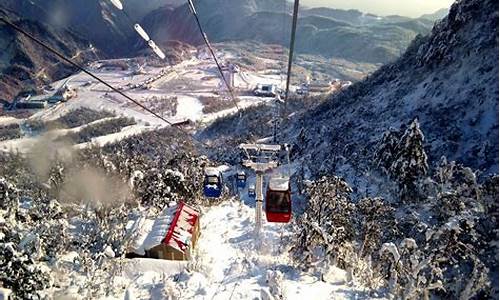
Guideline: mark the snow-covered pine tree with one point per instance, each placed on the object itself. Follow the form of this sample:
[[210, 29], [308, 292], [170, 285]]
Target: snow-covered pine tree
[[489, 197], [387, 149], [411, 162], [56, 177], [300, 178], [456, 243], [377, 224], [9, 197], [20, 273], [409, 272], [457, 251], [327, 225], [458, 189]]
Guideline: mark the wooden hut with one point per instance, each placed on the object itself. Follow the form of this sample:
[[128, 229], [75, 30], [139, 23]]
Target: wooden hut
[[174, 234]]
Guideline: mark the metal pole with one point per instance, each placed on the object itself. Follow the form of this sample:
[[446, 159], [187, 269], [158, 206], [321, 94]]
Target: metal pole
[[287, 148], [258, 202], [275, 133], [290, 54]]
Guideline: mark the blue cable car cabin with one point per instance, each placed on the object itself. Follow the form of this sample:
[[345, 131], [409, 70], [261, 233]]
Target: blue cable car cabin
[[241, 179], [251, 191], [213, 183]]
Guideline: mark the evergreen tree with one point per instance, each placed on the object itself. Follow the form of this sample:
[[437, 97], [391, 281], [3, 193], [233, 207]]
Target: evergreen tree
[[18, 270], [20, 273], [327, 222], [387, 150], [411, 161], [377, 223], [9, 197]]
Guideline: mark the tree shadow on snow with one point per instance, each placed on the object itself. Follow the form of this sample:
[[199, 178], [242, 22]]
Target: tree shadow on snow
[[244, 237]]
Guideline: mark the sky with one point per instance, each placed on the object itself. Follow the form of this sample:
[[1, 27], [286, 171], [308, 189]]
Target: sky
[[410, 8]]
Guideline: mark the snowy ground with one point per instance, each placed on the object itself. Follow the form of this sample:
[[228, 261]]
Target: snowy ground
[[6, 120], [231, 262], [187, 81], [228, 264]]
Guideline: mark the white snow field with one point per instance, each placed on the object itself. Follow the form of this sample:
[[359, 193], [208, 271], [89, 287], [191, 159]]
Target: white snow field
[[186, 81], [6, 120], [228, 265]]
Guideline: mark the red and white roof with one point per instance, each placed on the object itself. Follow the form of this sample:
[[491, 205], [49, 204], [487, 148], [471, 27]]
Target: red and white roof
[[182, 227], [174, 227]]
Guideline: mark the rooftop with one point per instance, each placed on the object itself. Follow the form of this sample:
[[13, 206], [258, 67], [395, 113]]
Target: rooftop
[[279, 184]]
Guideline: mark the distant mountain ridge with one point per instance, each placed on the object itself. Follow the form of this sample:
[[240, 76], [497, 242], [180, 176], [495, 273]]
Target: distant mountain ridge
[[348, 34], [437, 15], [97, 21], [137, 9]]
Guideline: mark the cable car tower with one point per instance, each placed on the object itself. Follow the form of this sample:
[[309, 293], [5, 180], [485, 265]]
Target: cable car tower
[[261, 158]]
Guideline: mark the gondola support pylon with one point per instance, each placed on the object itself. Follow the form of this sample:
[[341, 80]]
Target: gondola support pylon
[[260, 159]]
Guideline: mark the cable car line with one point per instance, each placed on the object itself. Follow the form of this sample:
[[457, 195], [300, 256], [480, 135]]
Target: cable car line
[[209, 46]]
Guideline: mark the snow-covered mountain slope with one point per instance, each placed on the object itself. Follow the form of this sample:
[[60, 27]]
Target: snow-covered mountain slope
[[97, 21], [24, 64], [137, 9], [448, 80], [190, 90]]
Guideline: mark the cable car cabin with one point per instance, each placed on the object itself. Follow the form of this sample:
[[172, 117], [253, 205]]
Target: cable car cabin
[[251, 191], [278, 200], [241, 179], [213, 183]]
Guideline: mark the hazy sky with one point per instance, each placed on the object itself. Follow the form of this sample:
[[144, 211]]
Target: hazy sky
[[411, 8]]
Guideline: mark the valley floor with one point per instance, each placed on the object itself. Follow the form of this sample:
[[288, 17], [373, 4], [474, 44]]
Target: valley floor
[[186, 83]]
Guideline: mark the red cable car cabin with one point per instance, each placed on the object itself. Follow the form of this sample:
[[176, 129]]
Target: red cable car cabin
[[278, 201]]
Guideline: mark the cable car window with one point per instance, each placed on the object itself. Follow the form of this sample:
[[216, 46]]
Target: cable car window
[[278, 202], [241, 177], [213, 179]]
